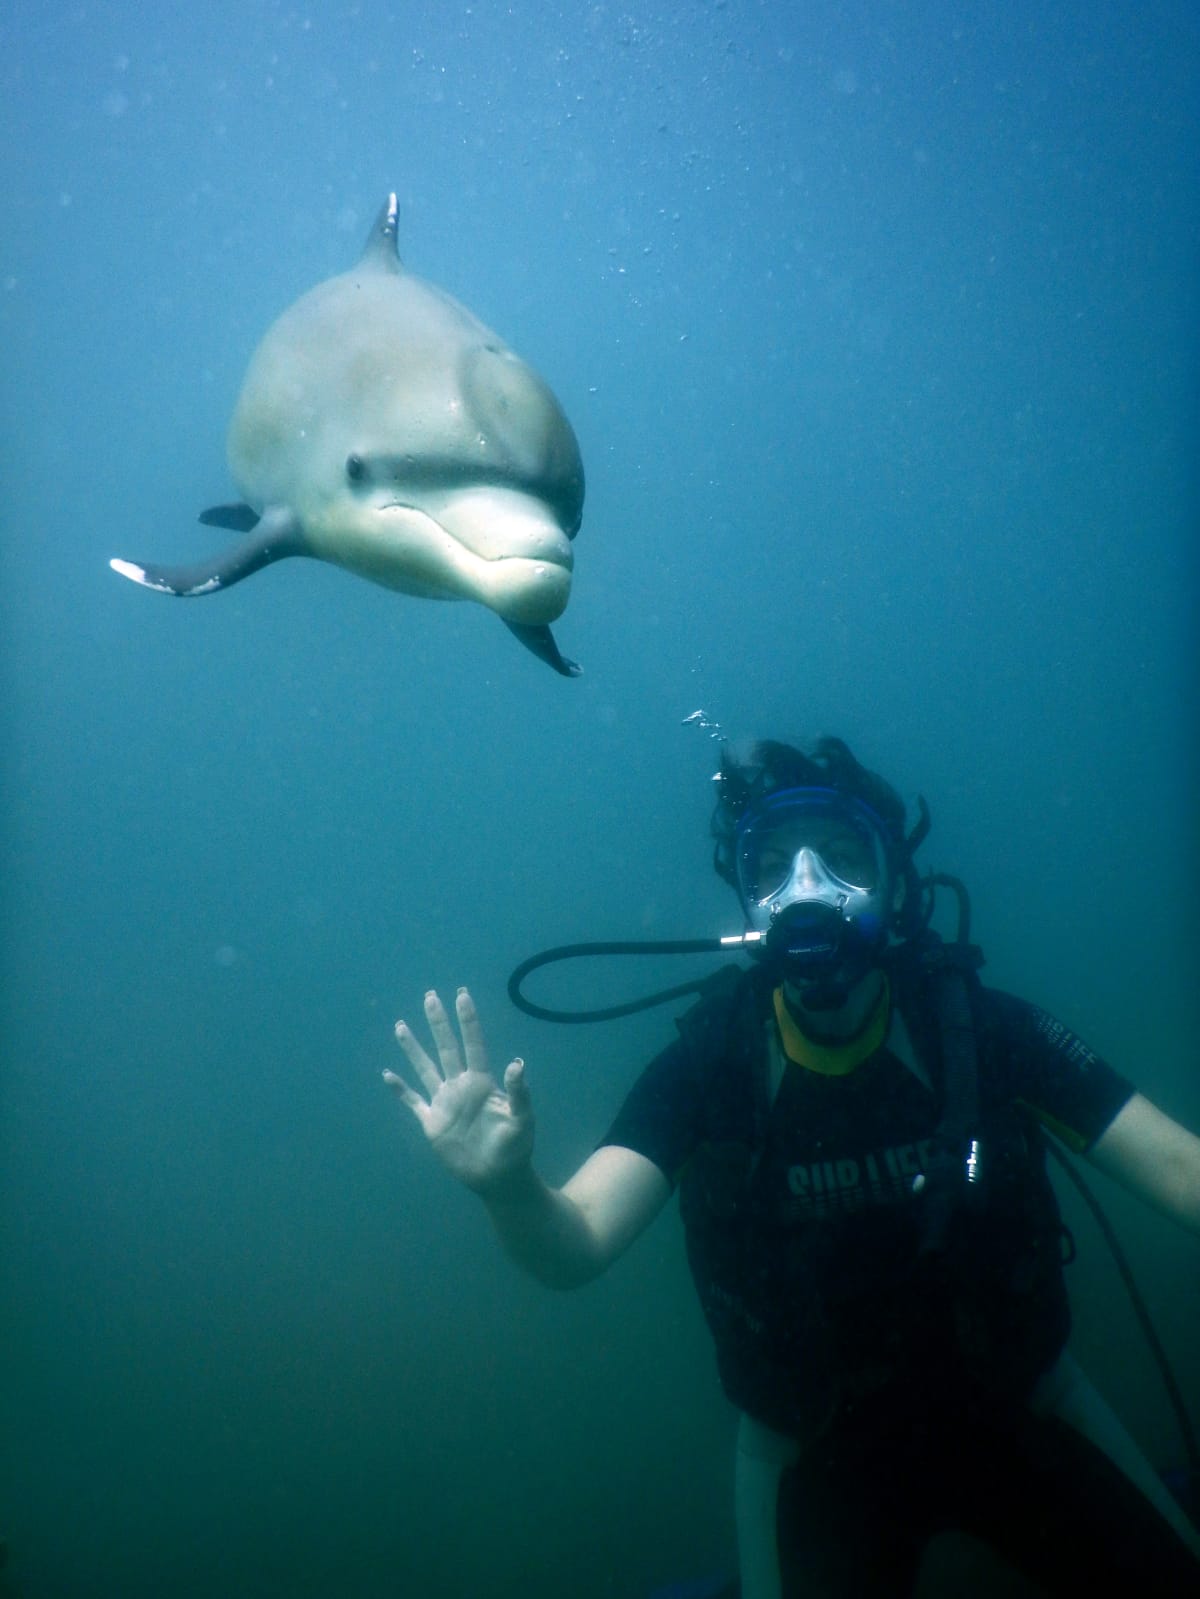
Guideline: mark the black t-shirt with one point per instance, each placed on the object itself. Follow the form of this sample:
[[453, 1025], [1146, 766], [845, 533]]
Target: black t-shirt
[[1030, 1059], [807, 1227]]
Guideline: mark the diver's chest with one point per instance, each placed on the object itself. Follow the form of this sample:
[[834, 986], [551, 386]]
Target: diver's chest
[[840, 1145]]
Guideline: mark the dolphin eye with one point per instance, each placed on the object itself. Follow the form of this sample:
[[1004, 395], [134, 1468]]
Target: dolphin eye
[[356, 468]]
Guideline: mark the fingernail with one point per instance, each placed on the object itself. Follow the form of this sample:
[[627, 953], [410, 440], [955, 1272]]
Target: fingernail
[[461, 992], [401, 1027]]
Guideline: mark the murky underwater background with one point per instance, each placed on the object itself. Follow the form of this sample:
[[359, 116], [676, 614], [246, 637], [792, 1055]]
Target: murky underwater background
[[877, 324]]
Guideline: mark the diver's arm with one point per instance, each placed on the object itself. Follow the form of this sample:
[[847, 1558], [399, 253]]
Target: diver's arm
[[483, 1134], [1154, 1158], [567, 1236]]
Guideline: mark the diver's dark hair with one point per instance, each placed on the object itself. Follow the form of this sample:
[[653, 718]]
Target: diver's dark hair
[[751, 771]]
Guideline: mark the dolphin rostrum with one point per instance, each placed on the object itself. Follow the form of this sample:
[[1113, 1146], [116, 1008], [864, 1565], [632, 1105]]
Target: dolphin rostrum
[[383, 428]]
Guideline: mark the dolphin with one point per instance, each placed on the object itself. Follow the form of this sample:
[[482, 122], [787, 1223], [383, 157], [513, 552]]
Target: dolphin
[[381, 427]]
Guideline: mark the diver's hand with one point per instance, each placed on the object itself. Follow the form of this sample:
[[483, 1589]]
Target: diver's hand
[[481, 1133]]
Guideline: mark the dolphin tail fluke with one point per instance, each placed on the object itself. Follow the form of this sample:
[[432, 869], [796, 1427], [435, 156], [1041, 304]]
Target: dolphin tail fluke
[[541, 641], [275, 536]]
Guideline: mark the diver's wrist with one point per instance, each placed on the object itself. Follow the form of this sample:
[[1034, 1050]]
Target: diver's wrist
[[514, 1188]]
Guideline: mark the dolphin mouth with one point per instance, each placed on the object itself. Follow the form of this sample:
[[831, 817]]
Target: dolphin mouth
[[529, 590], [554, 550], [500, 548], [494, 523], [537, 597]]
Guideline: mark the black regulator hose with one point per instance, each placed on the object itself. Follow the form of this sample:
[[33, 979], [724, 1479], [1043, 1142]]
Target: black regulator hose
[[929, 885], [608, 1013], [684, 946], [1149, 1331]]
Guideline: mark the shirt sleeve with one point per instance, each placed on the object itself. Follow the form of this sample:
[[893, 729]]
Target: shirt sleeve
[[660, 1118], [1073, 1092]]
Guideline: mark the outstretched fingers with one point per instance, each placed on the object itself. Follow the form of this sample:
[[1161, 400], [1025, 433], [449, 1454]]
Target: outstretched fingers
[[422, 1065], [453, 1059], [516, 1088], [443, 1035], [408, 1095], [472, 1032]]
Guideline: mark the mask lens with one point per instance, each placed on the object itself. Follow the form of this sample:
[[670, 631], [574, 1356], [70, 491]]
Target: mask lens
[[847, 846]]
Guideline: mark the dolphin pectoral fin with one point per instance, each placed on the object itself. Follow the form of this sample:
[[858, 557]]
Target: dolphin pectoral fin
[[237, 518], [276, 535], [541, 641]]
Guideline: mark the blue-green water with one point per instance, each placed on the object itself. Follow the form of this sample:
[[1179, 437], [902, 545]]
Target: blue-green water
[[878, 327]]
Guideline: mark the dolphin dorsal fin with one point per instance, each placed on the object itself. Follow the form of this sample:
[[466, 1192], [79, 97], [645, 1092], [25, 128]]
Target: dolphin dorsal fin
[[382, 250]]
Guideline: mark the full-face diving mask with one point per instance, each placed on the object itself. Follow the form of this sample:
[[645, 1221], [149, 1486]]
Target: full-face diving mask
[[813, 875]]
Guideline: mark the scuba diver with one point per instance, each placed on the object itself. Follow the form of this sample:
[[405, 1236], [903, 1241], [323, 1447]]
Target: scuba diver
[[856, 1127]]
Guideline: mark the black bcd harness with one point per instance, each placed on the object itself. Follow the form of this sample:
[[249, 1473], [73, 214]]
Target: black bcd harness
[[970, 1272]]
